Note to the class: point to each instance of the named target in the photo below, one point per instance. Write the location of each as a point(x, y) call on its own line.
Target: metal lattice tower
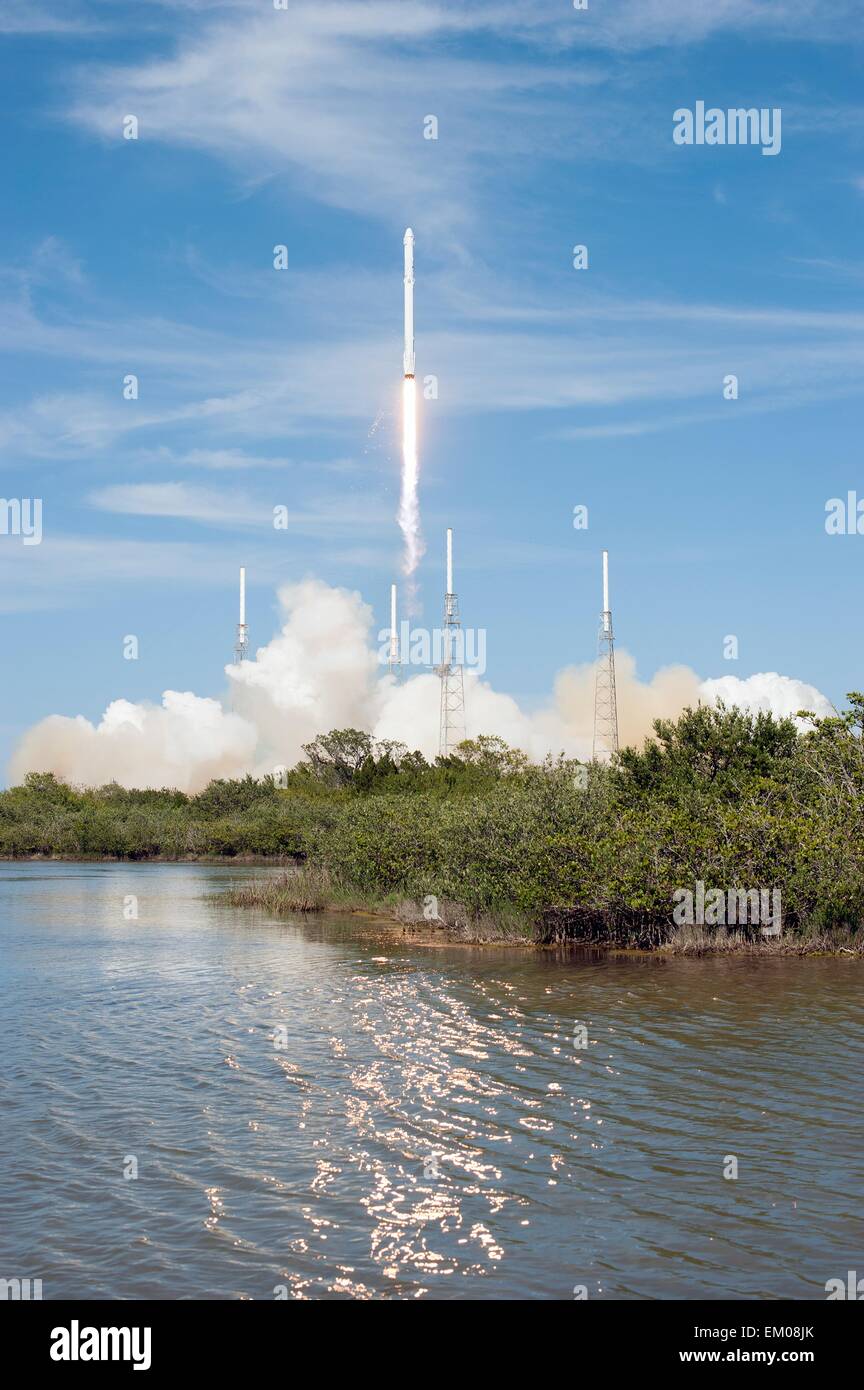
point(605, 698)
point(393, 659)
point(241, 642)
point(452, 722)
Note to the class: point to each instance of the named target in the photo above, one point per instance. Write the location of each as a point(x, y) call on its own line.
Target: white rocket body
point(408, 354)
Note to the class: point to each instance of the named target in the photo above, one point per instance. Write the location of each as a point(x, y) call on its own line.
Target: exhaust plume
point(409, 500)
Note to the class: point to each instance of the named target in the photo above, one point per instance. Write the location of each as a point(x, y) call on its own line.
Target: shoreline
point(458, 926)
point(444, 937)
point(310, 893)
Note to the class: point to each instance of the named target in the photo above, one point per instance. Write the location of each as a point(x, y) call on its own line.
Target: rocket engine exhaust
point(409, 502)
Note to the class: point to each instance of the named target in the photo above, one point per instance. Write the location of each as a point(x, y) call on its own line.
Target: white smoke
point(185, 742)
point(779, 695)
point(321, 672)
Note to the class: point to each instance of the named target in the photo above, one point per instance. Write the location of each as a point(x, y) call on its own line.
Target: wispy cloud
point(37, 17)
point(334, 95)
point(337, 95)
point(63, 569)
point(822, 265)
point(239, 460)
point(616, 25)
point(70, 571)
point(339, 515)
point(180, 501)
point(647, 24)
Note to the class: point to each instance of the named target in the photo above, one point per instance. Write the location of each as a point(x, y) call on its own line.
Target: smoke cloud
point(185, 742)
point(778, 695)
point(321, 672)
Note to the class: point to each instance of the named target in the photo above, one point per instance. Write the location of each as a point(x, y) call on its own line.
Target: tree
point(351, 757)
point(710, 746)
point(337, 757)
point(50, 788)
point(226, 795)
point(491, 755)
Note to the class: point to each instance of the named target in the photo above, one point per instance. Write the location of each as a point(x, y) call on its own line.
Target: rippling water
point(323, 1109)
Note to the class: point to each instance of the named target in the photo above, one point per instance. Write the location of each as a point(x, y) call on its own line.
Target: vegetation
point(718, 796)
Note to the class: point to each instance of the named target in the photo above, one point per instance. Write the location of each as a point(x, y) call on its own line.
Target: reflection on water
point(320, 1108)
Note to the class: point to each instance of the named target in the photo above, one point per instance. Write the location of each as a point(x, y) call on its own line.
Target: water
point(428, 1129)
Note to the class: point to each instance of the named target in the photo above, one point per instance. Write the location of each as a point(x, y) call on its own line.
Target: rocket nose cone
point(409, 235)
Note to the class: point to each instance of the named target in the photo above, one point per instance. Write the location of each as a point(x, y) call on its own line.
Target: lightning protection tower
point(452, 722)
point(605, 699)
point(393, 660)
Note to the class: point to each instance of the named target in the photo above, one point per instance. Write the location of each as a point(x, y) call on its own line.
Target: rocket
point(408, 355)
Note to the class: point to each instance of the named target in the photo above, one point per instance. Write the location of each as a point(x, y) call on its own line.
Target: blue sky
point(557, 387)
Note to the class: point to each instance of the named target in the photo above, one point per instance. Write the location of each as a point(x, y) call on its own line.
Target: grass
point(313, 889)
point(696, 941)
point(297, 890)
